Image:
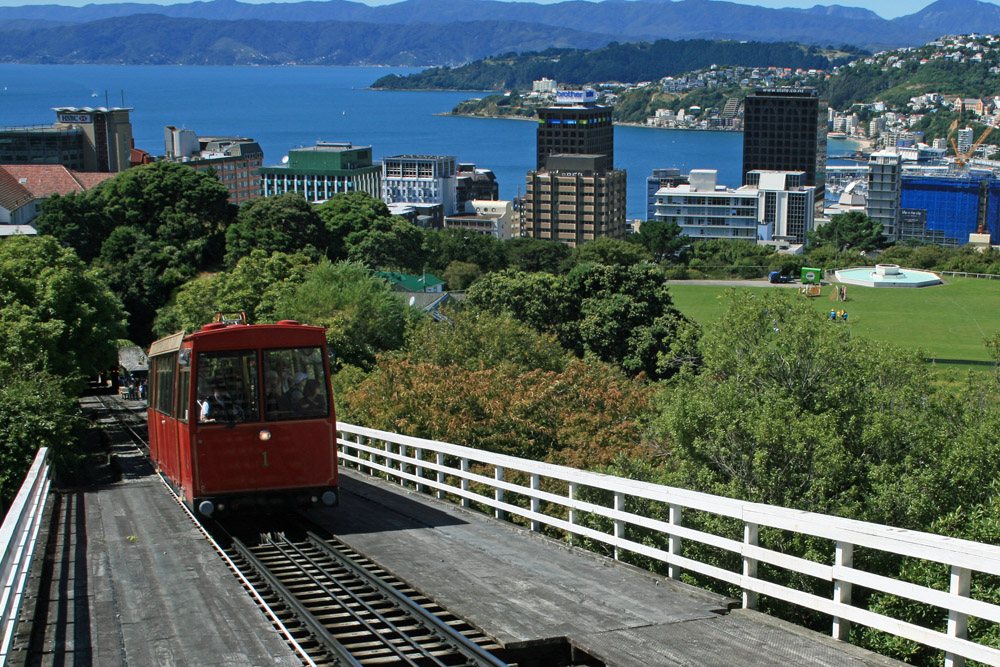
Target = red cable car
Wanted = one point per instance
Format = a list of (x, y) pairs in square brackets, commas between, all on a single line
[(241, 417)]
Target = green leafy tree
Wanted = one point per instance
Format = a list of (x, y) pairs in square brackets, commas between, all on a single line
[(255, 286), (348, 213), (476, 340), (361, 313), (55, 315), (152, 228), (282, 223), (853, 230), (661, 238), (389, 243), (459, 275), (622, 315), (460, 245), (35, 411), (528, 254), (606, 250)]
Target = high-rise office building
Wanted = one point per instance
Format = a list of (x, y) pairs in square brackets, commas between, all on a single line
[(573, 201), (884, 187), (421, 179), (235, 161), (575, 195), (784, 129), (576, 125)]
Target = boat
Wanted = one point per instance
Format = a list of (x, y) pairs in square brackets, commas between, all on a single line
[(836, 135)]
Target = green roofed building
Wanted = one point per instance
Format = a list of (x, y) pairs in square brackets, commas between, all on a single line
[(322, 171), (404, 282)]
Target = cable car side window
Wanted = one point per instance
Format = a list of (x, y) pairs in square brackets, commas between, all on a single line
[(295, 385), (164, 384), (227, 387)]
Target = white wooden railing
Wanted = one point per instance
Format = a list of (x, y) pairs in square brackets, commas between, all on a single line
[(17, 540), (480, 478)]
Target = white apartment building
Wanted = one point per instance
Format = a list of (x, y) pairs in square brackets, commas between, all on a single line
[(774, 207), (420, 179), (884, 187), (543, 85), (483, 216)]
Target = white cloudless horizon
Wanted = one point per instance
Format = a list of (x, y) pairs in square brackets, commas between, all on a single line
[(887, 9)]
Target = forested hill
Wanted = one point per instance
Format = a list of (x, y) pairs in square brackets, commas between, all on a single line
[(633, 62), (151, 39)]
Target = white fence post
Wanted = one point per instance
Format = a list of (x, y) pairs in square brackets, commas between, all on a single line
[(498, 492), (674, 542), (419, 455), (536, 484), (619, 524), (440, 475), (465, 482), (572, 511), (750, 533), (844, 557), (958, 624), (402, 465)]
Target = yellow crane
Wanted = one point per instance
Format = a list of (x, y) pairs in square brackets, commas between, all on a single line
[(960, 158)]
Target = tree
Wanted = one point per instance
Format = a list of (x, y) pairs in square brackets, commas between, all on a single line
[(152, 228), (661, 238), (361, 313), (347, 213), (606, 250), (282, 223), (55, 315), (529, 254), (255, 286), (853, 230), (460, 245), (622, 315), (388, 243), (459, 275)]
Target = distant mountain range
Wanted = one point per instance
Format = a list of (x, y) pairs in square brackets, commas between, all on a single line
[(443, 32)]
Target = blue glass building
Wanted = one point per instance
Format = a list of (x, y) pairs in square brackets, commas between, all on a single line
[(955, 205)]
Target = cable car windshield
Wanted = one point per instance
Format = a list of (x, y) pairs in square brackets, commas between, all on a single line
[(295, 385), (227, 389)]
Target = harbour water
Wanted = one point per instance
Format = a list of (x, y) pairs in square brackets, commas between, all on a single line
[(287, 107)]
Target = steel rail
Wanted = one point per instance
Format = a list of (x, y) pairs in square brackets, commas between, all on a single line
[(460, 642), (382, 637), (318, 630)]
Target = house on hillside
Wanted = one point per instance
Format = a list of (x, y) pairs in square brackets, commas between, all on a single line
[(404, 282)]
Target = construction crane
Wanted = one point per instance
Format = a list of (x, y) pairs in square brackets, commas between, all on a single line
[(960, 158)]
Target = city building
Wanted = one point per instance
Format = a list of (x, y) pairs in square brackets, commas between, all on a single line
[(319, 172), (421, 179), (83, 139), (946, 206), (885, 169), (776, 208), (472, 183), (574, 201), (23, 188), (661, 178), (784, 129), (543, 85), (496, 218), (576, 125), (235, 160)]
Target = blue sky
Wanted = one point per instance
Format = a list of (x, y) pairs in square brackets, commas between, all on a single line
[(885, 8)]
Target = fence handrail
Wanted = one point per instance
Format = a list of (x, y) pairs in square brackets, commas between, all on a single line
[(17, 542), (448, 470)]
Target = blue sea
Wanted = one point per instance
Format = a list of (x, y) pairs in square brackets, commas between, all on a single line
[(288, 107)]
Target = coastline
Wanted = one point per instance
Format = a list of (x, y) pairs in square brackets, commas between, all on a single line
[(616, 123)]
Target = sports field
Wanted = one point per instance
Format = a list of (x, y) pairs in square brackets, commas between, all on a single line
[(945, 321)]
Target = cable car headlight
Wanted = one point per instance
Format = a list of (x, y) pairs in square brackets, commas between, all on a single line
[(264, 435)]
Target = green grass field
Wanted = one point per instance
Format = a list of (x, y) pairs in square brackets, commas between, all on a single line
[(945, 321)]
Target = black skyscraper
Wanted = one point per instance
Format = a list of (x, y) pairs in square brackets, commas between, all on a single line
[(784, 129), (577, 129)]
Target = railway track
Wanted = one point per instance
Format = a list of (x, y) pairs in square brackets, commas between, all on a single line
[(334, 606), (358, 614)]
